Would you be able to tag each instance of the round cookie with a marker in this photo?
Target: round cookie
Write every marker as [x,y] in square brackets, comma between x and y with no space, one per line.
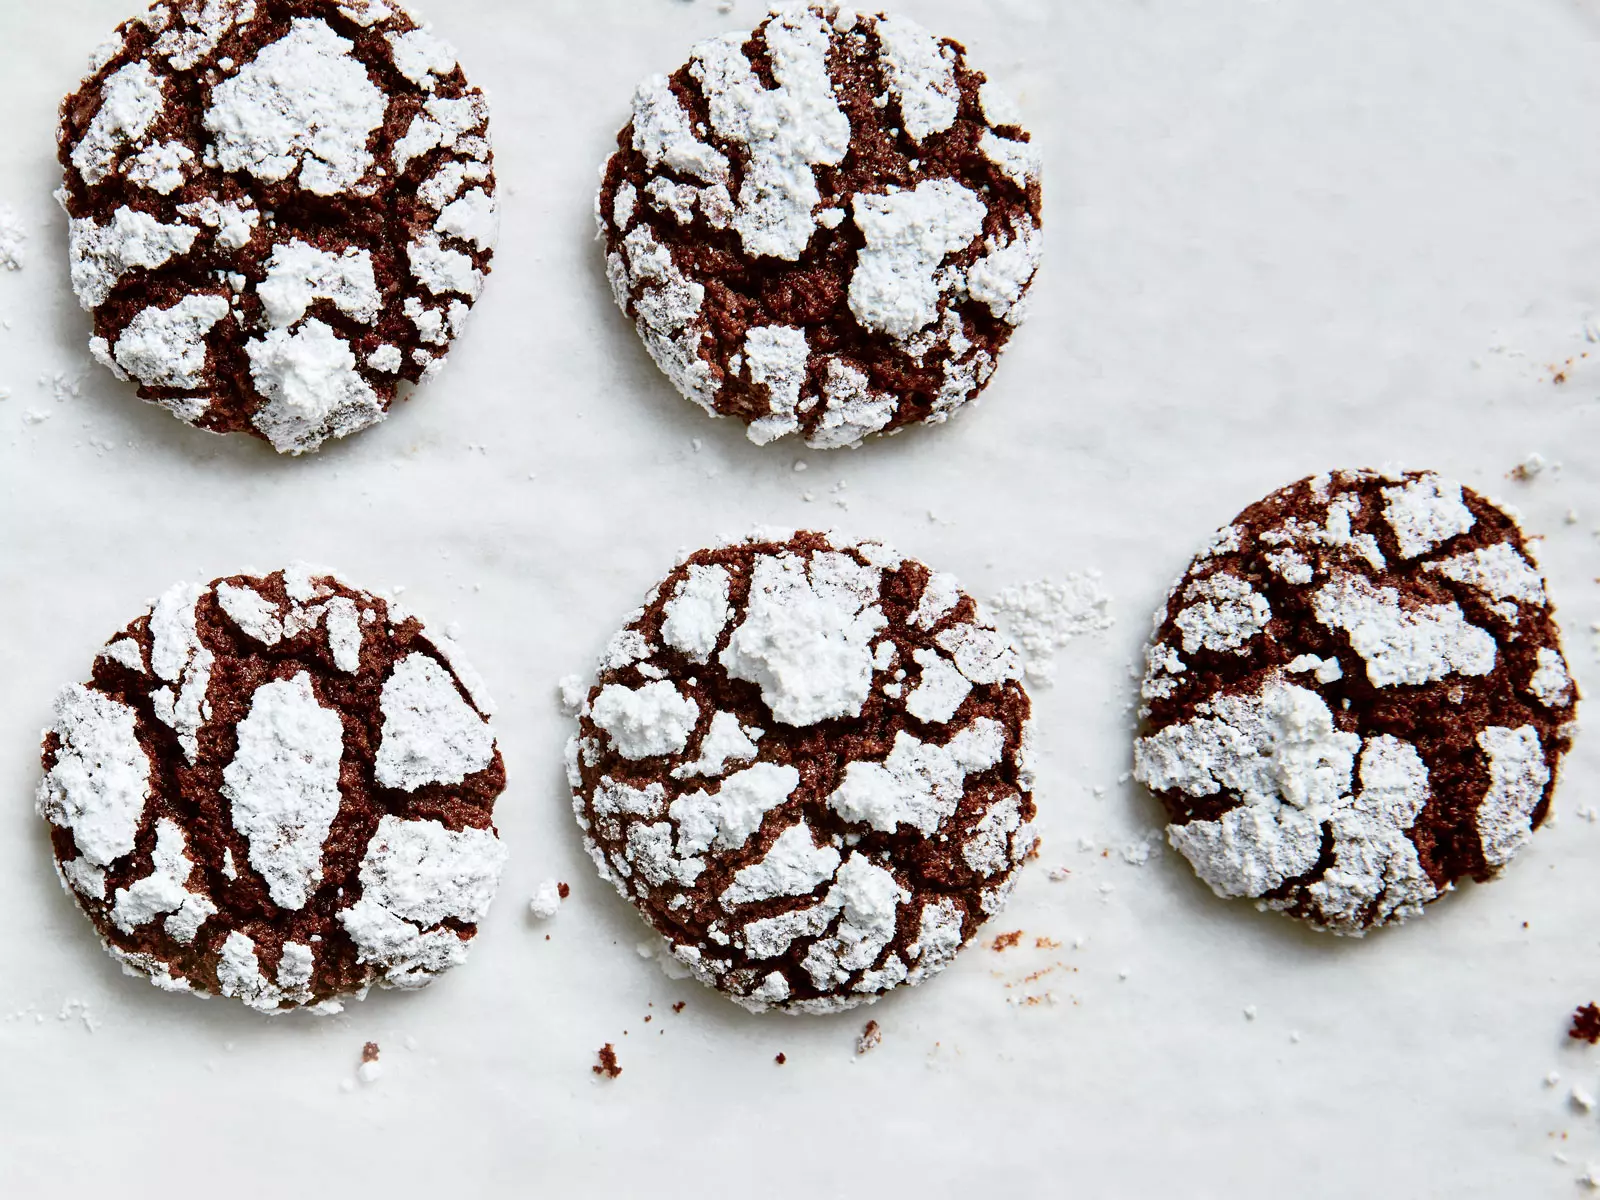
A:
[1355,697]
[824,227]
[806,766]
[280,210]
[278,789]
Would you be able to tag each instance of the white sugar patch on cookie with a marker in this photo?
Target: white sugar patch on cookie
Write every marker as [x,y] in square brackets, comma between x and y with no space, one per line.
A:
[919,785]
[415,874]
[1517,779]
[922,76]
[234,221]
[160,167]
[166,347]
[252,612]
[698,612]
[1550,683]
[447,124]
[131,100]
[1000,278]
[1336,532]
[1426,512]
[940,689]
[126,652]
[1498,571]
[853,410]
[869,898]
[897,284]
[474,218]
[725,741]
[163,891]
[196,32]
[727,818]
[786,131]
[101,778]
[1279,752]
[806,636]
[991,847]
[982,655]
[1227,615]
[419,56]
[177,656]
[283,785]
[1021,161]
[343,623]
[794,866]
[299,273]
[667,312]
[430,734]
[102,254]
[441,270]
[305,103]
[939,595]
[313,390]
[645,722]
[777,356]
[1403,645]
[663,134]
[939,935]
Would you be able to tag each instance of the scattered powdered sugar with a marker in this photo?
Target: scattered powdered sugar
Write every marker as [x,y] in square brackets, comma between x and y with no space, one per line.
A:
[415,875]
[12,237]
[101,778]
[283,785]
[1517,779]
[806,636]
[305,103]
[430,734]
[546,900]
[1044,615]
[1401,645]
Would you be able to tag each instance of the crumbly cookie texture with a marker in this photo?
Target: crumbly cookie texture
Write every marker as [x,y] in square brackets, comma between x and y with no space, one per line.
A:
[279,210]
[1355,697]
[278,789]
[826,227]
[806,765]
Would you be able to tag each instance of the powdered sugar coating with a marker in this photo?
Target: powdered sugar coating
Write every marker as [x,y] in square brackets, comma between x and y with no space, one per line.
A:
[328,164]
[802,824]
[846,162]
[219,827]
[1304,762]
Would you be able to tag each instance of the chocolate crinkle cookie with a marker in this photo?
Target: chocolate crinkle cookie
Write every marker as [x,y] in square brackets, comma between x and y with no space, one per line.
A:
[824,227]
[806,766]
[277,789]
[280,209]
[1355,697]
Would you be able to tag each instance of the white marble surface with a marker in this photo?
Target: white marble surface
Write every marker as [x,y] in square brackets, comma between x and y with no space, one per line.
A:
[1284,236]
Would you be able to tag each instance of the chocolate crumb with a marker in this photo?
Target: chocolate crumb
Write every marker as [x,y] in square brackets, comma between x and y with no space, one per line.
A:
[870,1037]
[679,1006]
[369,1052]
[1586,1024]
[563,890]
[1006,940]
[608,1065]
[780,1060]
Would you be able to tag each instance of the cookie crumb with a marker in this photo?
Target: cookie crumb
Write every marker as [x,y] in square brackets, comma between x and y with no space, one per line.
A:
[780,1059]
[870,1038]
[1529,468]
[1585,1024]
[679,1006]
[608,1065]
[370,1069]
[1006,940]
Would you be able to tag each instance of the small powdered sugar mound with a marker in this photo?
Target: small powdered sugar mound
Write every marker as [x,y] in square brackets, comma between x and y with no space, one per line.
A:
[1044,615]
[294,712]
[806,765]
[1294,725]
[12,237]
[825,227]
[302,183]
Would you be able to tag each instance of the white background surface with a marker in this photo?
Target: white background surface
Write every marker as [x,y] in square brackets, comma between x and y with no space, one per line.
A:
[1284,236]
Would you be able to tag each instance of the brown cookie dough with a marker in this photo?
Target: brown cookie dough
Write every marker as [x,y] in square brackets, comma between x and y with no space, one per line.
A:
[806,766]
[280,209]
[277,789]
[824,227]
[1355,697]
